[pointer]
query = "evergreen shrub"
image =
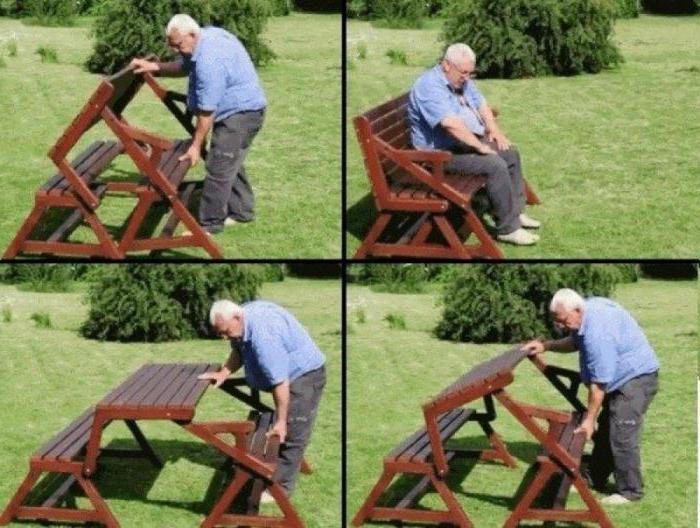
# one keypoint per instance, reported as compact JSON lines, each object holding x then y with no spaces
{"x":529,"y":38}
{"x":141,"y":302}
{"x":51,"y":12}
{"x":43,"y":277}
{"x":400,"y":13}
{"x":510,"y":303}
{"x":129,"y":28}
{"x":279,"y":7}
{"x":627,"y":8}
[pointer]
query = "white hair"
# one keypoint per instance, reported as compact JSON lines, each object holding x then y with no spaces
{"x":457,"y":51}
{"x":183,"y":24}
{"x":225,"y":309}
{"x":567,"y":299}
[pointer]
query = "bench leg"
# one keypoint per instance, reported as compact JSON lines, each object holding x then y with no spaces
{"x":499,"y":451}
{"x":22,"y":492}
{"x":487,"y":247}
{"x":137,"y":217}
{"x":595,"y":508}
{"x":24,"y":231}
{"x":222,"y":505}
{"x":530,"y":195}
{"x":143,"y":443}
{"x":364,"y":511}
{"x":457,"y":513}
{"x":109,"y":247}
{"x":378,"y":227}
{"x":544,"y":473}
{"x":105,"y":514}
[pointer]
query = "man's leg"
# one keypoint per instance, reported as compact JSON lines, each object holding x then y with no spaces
{"x":627,"y":411}
{"x":601,"y":463}
{"x":231,"y":139}
{"x":512,"y":158}
{"x":305,"y":394}
{"x":241,"y":204}
{"x":498,"y":186}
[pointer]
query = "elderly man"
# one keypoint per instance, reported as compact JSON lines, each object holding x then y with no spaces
{"x":447,"y":111}
{"x":224,"y":93}
{"x":278,"y":356}
{"x":620,"y":369}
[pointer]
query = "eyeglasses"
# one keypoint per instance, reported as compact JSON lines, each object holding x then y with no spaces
{"x":467,"y":74}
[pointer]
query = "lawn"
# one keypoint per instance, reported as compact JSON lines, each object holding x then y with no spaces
{"x":297,"y":151}
{"x":391,"y":372}
{"x":612,"y":156}
{"x":50,"y":376}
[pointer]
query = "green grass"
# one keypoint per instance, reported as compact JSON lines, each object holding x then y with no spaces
{"x":50,"y":376}
{"x":293,"y":164}
{"x":613,"y":156}
{"x":392,"y":372}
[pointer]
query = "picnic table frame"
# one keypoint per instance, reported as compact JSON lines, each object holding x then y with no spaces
{"x":78,"y":187}
{"x":157,"y":392}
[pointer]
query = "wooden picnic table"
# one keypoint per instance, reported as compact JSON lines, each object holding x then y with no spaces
{"x":156,"y":391}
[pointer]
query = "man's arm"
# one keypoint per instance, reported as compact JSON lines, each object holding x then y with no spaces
{"x":162,"y":69}
{"x":205,"y":120}
{"x":233,"y":363}
{"x":280,"y":393}
{"x":596,"y":393}
{"x":538,"y":346}
{"x":492,"y":130}
{"x":454,"y":126}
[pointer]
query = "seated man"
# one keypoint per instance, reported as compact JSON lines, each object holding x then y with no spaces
{"x":446,"y":111}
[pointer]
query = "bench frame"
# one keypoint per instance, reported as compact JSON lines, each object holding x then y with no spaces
{"x":437,"y":467}
{"x":146,"y":150}
{"x":434,"y":214}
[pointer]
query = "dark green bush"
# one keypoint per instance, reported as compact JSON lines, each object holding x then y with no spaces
{"x":130,"y":28}
{"x":41,"y":319}
{"x":401,"y":13}
{"x":510,"y":303}
{"x":528,"y":38}
{"x":671,"y":7}
{"x":12,"y":8}
{"x":164,"y":302}
{"x":279,"y":7}
{"x":627,"y":272}
{"x":627,"y":8}
{"x":51,"y":12}
{"x":269,"y":272}
{"x":43,"y":277}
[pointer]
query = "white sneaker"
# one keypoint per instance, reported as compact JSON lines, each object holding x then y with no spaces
{"x":615,"y":499}
{"x":230,"y":221}
{"x":519,"y":237}
{"x":266,"y":498}
{"x":529,"y":223}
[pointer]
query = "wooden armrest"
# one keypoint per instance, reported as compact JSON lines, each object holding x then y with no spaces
{"x":147,"y":137}
{"x":435,"y":156}
{"x":546,"y":413}
{"x":230,"y":427}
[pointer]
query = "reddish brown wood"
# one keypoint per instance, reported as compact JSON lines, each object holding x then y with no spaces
{"x":77,"y":185}
{"x":406,"y":180}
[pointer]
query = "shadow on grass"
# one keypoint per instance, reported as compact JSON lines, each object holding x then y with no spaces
{"x":360,"y":216}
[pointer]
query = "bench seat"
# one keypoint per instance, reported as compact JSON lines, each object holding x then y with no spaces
{"x":67,"y":444}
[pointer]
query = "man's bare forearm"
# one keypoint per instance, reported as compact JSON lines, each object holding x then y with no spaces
{"x":205,"y":120}
{"x":233,"y":363}
{"x":489,"y":119}
{"x":455,"y":127}
{"x":565,"y":344}
{"x":280,"y":393}
{"x":596,"y":393}
{"x":170,"y":69}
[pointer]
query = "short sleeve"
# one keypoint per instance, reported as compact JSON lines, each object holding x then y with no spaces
{"x":210,"y":84}
{"x":433,"y":104}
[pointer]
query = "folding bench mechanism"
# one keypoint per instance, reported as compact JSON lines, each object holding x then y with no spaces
{"x":79,"y":188}
{"x":61,"y":461}
{"x":253,"y":457}
{"x":422,"y":211}
{"x":425,"y":453}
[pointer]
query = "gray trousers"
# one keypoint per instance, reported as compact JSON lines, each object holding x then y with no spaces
{"x":505,"y":186}
{"x":304,"y":397}
{"x":226,"y":191}
{"x":616,"y":442}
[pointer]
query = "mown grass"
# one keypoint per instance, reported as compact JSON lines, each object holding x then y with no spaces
{"x":50,"y":376}
{"x":392,"y":372}
{"x":612,"y":156}
{"x":294,"y":163}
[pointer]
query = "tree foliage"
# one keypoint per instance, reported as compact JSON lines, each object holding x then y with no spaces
{"x":130,"y":28}
{"x":529,"y":38}
{"x":141,"y":302}
{"x":510,"y":303}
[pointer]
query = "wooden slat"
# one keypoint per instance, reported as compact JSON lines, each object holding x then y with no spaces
{"x":143,"y":372}
{"x":383,"y":109}
{"x":198,"y":386}
{"x":63,"y":231}
{"x":92,"y":167}
{"x":77,"y":164}
{"x":69,"y":441}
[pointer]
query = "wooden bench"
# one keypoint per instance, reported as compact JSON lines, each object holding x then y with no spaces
{"x":64,"y":455}
{"x":422,"y":211}
{"x":79,"y":188}
{"x":229,"y":512}
{"x":424,"y":452}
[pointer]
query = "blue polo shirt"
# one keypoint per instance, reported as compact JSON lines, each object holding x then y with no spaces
{"x":275,"y":347}
{"x":222,"y":78}
{"x":432,"y":99}
{"x":612,"y":347}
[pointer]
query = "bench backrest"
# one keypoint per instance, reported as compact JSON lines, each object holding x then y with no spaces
{"x":479,"y":382}
{"x":125,"y":85}
{"x":386,"y":122}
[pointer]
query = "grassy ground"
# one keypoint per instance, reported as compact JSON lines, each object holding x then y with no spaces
{"x":294,"y":163}
{"x":50,"y":376}
{"x":391,"y":372}
{"x":612,"y":156}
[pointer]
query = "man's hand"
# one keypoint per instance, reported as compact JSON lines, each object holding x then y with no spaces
{"x":533,"y":347}
{"x":586,"y":426}
{"x":485,"y":149}
{"x":143,"y":66}
{"x":217,"y":377}
{"x":193,"y":153}
{"x":279,"y":429}
{"x":500,"y":139}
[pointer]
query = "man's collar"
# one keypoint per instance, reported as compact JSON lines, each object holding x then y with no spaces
{"x":197,"y":47}
{"x":584,"y":321}
{"x":443,"y":78}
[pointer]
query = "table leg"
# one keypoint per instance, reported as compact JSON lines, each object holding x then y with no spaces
{"x":143,"y":443}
